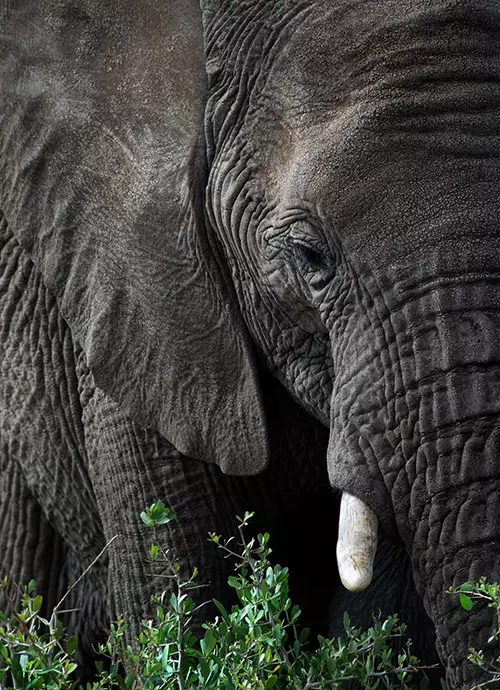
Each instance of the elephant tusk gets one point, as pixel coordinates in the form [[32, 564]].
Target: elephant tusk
[[357, 543]]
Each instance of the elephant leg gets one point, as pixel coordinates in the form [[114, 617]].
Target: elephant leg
[[51, 530], [131, 468], [32, 549], [29, 545]]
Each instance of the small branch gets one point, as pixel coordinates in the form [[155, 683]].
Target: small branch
[[376, 674], [119, 653], [180, 637], [270, 617], [180, 613]]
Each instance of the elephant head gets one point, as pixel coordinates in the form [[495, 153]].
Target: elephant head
[[314, 189], [354, 162]]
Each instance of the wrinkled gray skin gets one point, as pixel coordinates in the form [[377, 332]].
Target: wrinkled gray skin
[[312, 201]]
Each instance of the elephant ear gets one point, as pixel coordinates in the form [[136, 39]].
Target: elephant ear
[[101, 106]]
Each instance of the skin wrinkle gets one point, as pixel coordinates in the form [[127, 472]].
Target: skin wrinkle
[[398, 340], [25, 531], [172, 484], [93, 207], [243, 306], [476, 420], [126, 447]]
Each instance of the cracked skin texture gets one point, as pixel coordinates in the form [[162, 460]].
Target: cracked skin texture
[[251, 277]]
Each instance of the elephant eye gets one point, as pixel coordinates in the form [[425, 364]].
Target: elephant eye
[[307, 258]]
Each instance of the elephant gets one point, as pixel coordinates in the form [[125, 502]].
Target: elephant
[[249, 260]]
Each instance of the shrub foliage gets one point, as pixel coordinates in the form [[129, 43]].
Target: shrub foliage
[[257, 645]]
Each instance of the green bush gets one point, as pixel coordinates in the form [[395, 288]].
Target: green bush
[[256, 645]]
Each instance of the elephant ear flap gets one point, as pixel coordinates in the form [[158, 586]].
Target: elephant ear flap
[[102, 184]]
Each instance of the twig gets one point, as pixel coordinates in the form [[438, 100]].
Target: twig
[[180, 636], [180, 612]]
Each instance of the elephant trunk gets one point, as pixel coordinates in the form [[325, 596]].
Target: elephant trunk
[[416, 435]]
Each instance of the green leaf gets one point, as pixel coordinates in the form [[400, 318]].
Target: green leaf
[[466, 587], [16, 668], [387, 626], [146, 519], [71, 644], [157, 514], [378, 644], [166, 517], [209, 641], [173, 602], [270, 682], [130, 682], [295, 614], [58, 630], [205, 669], [222, 610], [303, 636], [164, 656], [466, 602], [37, 603]]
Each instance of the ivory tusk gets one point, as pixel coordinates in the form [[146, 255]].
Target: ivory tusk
[[357, 543]]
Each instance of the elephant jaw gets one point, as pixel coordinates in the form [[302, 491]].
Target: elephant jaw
[[357, 543]]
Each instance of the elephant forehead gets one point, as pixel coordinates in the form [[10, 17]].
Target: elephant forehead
[[390, 192], [326, 54], [385, 122]]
